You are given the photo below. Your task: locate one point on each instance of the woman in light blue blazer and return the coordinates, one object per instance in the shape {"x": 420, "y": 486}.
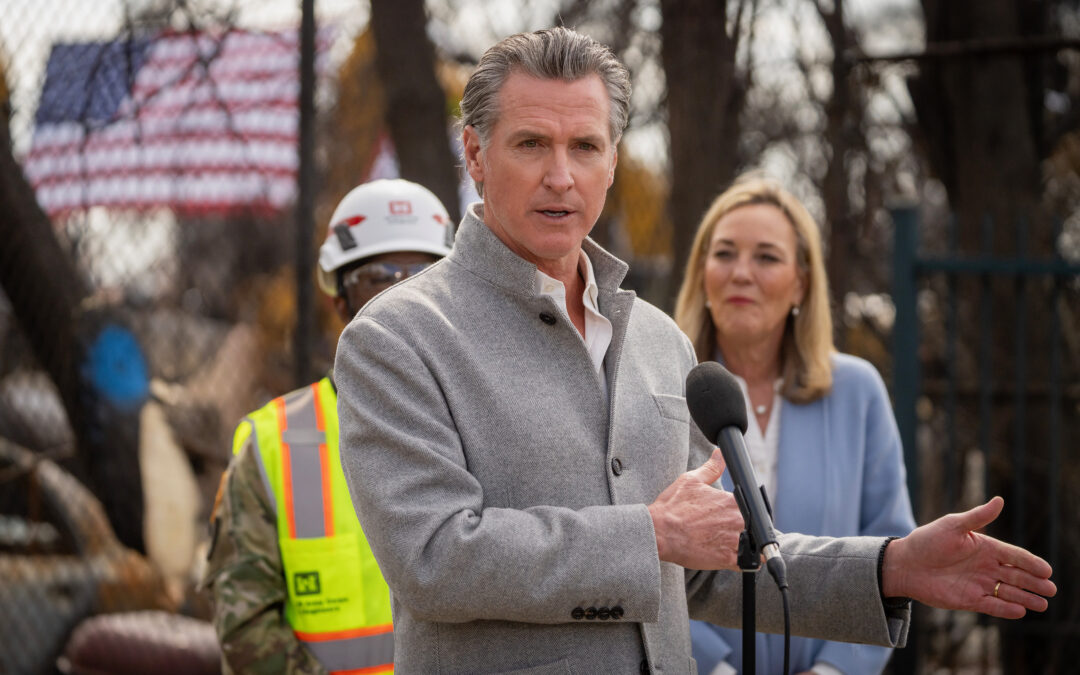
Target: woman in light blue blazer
{"x": 821, "y": 432}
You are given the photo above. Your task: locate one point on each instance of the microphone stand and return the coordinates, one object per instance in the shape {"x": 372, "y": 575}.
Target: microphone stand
{"x": 749, "y": 563}
{"x": 749, "y": 560}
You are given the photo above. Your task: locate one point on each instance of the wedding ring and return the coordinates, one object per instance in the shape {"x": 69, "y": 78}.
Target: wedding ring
{"x": 996, "y": 587}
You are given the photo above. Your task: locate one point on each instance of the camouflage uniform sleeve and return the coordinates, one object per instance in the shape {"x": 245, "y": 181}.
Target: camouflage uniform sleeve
{"x": 245, "y": 576}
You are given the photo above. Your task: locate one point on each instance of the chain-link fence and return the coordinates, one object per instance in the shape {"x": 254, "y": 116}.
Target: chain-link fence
{"x": 148, "y": 176}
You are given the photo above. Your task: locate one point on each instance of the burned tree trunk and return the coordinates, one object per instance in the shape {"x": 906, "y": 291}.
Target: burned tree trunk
{"x": 415, "y": 103}
{"x": 79, "y": 350}
{"x": 705, "y": 97}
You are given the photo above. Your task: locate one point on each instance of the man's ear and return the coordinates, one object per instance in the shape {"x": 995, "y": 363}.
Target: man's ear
{"x": 611, "y": 172}
{"x": 342, "y": 308}
{"x": 470, "y": 139}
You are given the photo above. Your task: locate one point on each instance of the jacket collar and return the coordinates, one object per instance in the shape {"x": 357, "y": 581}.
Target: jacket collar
{"x": 478, "y": 249}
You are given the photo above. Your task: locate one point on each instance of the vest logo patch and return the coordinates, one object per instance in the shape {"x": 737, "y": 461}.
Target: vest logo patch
{"x": 306, "y": 583}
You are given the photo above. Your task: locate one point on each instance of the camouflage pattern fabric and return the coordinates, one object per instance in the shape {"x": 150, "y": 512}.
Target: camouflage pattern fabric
{"x": 246, "y": 578}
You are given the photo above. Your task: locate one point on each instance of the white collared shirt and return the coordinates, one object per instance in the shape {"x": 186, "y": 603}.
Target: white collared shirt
{"x": 597, "y": 328}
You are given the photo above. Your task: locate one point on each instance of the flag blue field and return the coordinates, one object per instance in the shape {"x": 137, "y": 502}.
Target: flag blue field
{"x": 196, "y": 121}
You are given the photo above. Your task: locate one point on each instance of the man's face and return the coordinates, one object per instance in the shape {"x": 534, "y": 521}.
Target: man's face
{"x": 546, "y": 168}
{"x": 376, "y": 275}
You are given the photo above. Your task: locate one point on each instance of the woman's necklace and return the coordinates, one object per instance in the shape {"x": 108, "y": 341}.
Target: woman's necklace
{"x": 763, "y": 408}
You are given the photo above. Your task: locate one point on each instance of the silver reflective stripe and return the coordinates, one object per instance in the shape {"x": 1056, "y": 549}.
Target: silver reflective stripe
{"x": 254, "y": 436}
{"x": 304, "y": 437}
{"x": 305, "y": 465}
{"x": 354, "y": 653}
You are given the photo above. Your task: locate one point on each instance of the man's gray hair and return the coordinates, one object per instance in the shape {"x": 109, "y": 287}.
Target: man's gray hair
{"x": 551, "y": 54}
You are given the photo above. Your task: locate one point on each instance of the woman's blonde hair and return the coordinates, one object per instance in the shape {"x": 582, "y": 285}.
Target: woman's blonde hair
{"x": 808, "y": 340}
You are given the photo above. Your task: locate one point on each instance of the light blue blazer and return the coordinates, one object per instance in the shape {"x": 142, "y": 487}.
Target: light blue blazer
{"x": 840, "y": 472}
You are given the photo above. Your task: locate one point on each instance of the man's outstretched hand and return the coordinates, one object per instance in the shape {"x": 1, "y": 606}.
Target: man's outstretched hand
{"x": 948, "y": 564}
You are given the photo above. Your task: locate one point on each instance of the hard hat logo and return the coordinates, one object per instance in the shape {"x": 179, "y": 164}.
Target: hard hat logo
{"x": 400, "y": 208}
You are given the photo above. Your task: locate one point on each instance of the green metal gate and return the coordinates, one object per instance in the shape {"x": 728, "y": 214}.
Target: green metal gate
{"x": 986, "y": 388}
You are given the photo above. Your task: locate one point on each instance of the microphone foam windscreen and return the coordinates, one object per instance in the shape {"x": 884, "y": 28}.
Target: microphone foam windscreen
{"x": 714, "y": 399}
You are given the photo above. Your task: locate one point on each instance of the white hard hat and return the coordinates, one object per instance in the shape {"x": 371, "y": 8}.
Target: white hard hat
{"x": 383, "y": 216}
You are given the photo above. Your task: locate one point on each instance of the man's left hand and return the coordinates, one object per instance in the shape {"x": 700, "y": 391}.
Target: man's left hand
{"x": 947, "y": 564}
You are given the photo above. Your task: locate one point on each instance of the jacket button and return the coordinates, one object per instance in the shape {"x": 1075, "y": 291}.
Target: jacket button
{"x": 617, "y": 612}
{"x": 547, "y": 318}
{"x": 590, "y": 614}
{"x": 616, "y": 466}
{"x": 603, "y": 614}
{"x": 577, "y": 614}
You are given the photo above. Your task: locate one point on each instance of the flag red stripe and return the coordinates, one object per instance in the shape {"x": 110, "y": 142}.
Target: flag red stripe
{"x": 240, "y": 171}
{"x": 157, "y": 141}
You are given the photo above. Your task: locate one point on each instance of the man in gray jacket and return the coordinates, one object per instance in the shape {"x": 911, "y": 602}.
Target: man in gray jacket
{"x": 517, "y": 442}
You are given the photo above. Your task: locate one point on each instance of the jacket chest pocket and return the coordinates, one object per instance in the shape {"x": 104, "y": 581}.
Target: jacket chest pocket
{"x": 672, "y": 407}
{"x": 658, "y": 437}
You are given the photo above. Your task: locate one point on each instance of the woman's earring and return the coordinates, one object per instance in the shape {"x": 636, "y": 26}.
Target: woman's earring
{"x": 708, "y": 305}
{"x": 794, "y": 310}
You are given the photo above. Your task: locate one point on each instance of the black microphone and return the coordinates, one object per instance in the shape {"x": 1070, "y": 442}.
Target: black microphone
{"x": 717, "y": 406}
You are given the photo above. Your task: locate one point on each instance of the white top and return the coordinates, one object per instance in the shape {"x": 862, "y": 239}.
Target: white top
{"x": 763, "y": 447}
{"x": 597, "y": 328}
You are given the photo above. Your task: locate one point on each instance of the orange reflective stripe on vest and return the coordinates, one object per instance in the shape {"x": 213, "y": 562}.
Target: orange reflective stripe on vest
{"x": 286, "y": 464}
{"x": 324, "y": 463}
{"x": 372, "y": 644}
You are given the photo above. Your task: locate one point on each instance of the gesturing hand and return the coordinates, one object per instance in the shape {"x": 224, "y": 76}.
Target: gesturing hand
{"x": 697, "y": 525}
{"x": 947, "y": 564}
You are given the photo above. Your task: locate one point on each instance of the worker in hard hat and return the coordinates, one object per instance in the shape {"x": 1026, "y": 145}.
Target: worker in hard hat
{"x": 294, "y": 585}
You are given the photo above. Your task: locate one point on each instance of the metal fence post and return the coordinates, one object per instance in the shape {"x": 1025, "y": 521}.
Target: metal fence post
{"x": 906, "y": 339}
{"x": 906, "y": 380}
{"x": 305, "y": 202}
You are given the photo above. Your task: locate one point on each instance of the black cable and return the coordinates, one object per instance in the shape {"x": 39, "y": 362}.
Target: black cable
{"x": 787, "y": 629}
{"x": 778, "y": 570}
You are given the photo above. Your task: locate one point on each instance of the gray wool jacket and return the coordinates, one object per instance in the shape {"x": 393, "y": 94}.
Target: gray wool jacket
{"x": 505, "y": 497}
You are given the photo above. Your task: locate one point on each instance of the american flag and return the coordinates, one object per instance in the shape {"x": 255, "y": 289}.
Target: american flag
{"x": 197, "y": 121}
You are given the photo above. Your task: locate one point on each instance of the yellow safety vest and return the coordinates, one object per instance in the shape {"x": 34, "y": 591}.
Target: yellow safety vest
{"x": 339, "y": 604}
